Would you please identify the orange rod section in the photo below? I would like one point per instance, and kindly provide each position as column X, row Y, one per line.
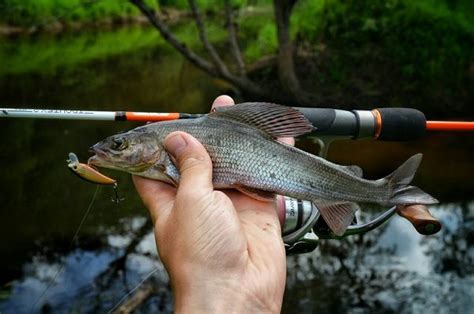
column 378, row 123
column 450, row 126
column 151, row 116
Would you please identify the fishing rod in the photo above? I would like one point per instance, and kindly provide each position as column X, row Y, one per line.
column 386, row 124
column 300, row 234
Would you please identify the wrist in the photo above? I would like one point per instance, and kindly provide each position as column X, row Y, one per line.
column 213, row 296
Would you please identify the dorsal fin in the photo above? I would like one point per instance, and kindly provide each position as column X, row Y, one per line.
column 275, row 120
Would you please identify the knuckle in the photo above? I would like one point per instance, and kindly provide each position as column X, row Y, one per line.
column 192, row 162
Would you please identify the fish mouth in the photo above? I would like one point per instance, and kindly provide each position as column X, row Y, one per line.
column 94, row 161
column 99, row 157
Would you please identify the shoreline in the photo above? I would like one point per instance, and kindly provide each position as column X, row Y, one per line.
column 169, row 15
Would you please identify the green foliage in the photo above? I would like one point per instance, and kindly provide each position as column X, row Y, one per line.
column 306, row 19
column 41, row 12
column 430, row 41
column 424, row 45
column 265, row 42
column 184, row 4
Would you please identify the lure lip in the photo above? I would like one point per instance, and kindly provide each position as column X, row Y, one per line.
column 73, row 161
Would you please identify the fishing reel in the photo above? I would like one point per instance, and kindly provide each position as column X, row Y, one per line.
column 304, row 227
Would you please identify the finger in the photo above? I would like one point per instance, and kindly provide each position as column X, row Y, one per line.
column 194, row 164
column 222, row 101
column 157, row 196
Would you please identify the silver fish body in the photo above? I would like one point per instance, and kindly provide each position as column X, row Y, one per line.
column 245, row 156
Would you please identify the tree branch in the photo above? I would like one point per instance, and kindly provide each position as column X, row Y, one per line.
column 172, row 40
column 234, row 45
column 245, row 85
column 286, row 67
column 222, row 68
column 139, row 297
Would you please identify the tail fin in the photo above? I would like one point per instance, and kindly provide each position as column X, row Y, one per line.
column 409, row 194
column 402, row 192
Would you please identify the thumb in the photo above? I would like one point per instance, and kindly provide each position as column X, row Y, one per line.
column 194, row 164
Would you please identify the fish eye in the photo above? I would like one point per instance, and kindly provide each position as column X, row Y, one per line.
column 119, row 143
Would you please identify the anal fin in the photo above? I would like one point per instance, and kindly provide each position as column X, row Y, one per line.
column 338, row 215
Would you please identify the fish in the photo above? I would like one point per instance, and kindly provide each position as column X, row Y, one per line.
column 241, row 141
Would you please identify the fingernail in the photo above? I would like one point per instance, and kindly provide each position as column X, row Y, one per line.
column 175, row 144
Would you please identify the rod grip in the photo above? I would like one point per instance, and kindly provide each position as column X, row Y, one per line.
column 399, row 124
column 420, row 218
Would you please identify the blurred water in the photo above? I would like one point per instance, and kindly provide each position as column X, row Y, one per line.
column 391, row 270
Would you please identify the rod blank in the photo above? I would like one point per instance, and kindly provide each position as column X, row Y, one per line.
column 449, row 126
column 57, row 114
column 320, row 117
column 62, row 114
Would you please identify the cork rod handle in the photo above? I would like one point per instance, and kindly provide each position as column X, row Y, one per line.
column 420, row 218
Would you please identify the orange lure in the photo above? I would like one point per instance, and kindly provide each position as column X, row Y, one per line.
column 88, row 173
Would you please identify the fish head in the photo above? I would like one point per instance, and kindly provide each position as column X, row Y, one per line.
column 129, row 152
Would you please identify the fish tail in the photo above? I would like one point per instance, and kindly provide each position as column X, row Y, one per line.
column 399, row 180
column 339, row 214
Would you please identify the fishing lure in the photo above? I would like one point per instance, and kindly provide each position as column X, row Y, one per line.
column 90, row 174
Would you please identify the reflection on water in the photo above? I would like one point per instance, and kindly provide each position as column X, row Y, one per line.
column 76, row 281
column 391, row 269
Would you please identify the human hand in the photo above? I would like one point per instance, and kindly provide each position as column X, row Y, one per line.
column 222, row 250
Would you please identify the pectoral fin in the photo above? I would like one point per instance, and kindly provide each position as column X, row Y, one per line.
column 255, row 193
column 337, row 214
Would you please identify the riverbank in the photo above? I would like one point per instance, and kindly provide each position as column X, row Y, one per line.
column 352, row 54
column 169, row 15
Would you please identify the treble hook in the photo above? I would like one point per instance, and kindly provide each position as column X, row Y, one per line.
column 116, row 198
column 90, row 174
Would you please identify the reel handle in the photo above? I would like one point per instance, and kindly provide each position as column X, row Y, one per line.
column 420, row 218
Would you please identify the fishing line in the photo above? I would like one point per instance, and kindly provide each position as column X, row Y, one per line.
column 133, row 290
column 61, row 268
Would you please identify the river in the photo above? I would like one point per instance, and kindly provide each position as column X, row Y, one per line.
column 392, row 269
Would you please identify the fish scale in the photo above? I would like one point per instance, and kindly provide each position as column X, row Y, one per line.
column 245, row 155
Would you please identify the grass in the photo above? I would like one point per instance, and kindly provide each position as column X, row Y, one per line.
column 42, row 12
